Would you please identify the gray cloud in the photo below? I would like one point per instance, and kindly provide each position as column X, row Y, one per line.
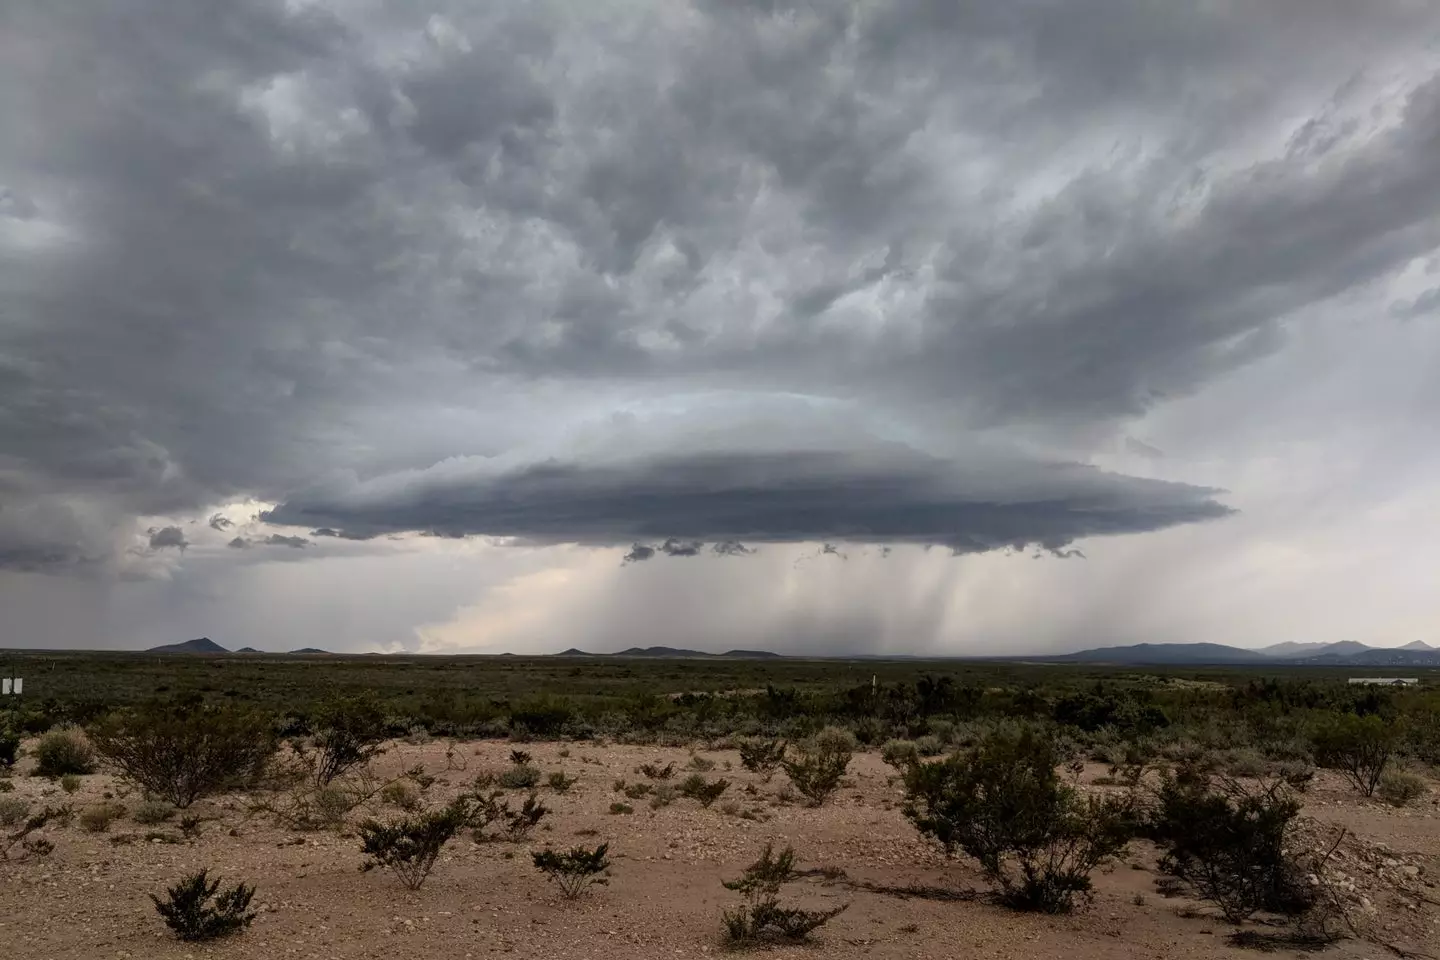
column 280, row 540
column 168, row 537
column 448, row 266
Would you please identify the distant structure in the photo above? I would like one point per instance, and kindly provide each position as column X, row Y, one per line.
column 1387, row 681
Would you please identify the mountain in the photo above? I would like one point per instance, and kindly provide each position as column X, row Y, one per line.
column 1377, row 657
column 1165, row 653
column 1292, row 649
column 310, row 650
column 752, row 655
column 574, row 652
column 248, row 650
column 201, row 645
column 1345, row 648
column 659, row 652
column 663, row 652
column 1420, row 645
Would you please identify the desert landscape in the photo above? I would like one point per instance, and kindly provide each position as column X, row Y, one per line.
column 680, row 816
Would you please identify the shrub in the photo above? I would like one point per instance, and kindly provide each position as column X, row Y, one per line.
column 519, row 777
column 520, row 758
column 70, row 783
column 410, row 847
column 697, row 788
column 1400, row 787
column 519, row 823
column 656, row 772
column 637, row 790
column 762, row 756
column 196, row 910
column 62, row 752
column 152, row 812
column 97, row 818
column 1002, row 803
column 761, row 917
column 349, row 732
column 620, row 808
column 183, row 751
column 930, row 746
column 575, row 870
column 21, row 835
column 561, row 783
column 9, row 748
column 12, row 810
column 820, row 763
column 900, row 754
column 1228, row 842
column 1359, row 747
column 402, row 794
column 663, row 796
column 1244, row 762
column 702, row 764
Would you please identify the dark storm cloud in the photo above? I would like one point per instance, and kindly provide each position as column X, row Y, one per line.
column 795, row 496
column 221, row 523
column 280, row 540
column 168, row 537
column 253, row 245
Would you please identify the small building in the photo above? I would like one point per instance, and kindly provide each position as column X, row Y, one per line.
column 1387, row 681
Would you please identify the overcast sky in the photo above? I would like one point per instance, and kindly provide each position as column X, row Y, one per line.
column 880, row 325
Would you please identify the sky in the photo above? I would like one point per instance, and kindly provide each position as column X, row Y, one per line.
column 908, row 326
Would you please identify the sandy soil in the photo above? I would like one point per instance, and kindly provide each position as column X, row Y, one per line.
column 88, row 898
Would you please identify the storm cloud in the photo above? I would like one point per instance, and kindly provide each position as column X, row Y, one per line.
column 695, row 279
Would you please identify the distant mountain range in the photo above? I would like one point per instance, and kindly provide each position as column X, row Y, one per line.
column 1346, row 653
column 206, row 645
column 676, row 652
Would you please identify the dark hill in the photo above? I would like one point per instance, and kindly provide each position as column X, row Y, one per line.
column 1163, row 653
column 310, row 650
column 201, row 645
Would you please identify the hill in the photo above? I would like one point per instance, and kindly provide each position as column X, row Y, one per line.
column 1420, row 645
column 752, row 655
column 1292, row 649
column 1165, row 653
column 200, row 645
column 310, row 650
column 659, row 652
column 249, row 650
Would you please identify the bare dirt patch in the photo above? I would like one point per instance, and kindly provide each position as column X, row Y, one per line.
column 88, row 899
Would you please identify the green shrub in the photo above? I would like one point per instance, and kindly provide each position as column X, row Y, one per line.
column 760, row 755
column 656, row 772
column 62, row 752
column 701, row 764
column 1401, row 787
column 621, row 808
column 696, row 787
column 410, row 847
column 1244, row 762
column 1002, row 803
column 519, row 823
column 820, row 762
column 196, row 910
column 70, row 783
column 349, row 733
column 637, row 790
column 575, row 870
column 930, row 746
column 1359, row 747
column 663, row 796
column 761, row 917
column 98, row 817
column 9, row 747
column 13, row 810
column 182, row 751
column 900, row 754
column 561, row 783
column 520, row 777
column 1229, row 843
column 402, row 794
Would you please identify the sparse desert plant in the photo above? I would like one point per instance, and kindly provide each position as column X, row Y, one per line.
column 6, row 786
column 1002, row 803
column 70, row 783
column 152, row 812
column 635, row 791
column 9, row 747
column 1229, row 841
column 402, row 794
column 701, row 764
column 190, row 826
column 575, row 870
column 559, row 782
column 349, row 733
column 196, row 910
column 761, row 917
column 820, row 762
column 183, row 751
column 519, row 823
column 1401, row 787
column 930, row 746
column 1244, row 762
column 62, row 752
column 621, row 808
column 761, row 755
column 1359, row 747
column 521, row 776
column 730, row 808
column 900, row 754
column 696, row 787
column 520, row 758
column 98, row 817
column 410, row 847
column 13, row 810
column 656, row 772
column 30, row 846
column 663, row 796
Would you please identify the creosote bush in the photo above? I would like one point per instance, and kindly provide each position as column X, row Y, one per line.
column 575, row 870
column 559, row 782
column 521, row 776
column 349, row 732
column 1229, row 842
column 900, row 754
column 410, row 847
column 1400, row 788
column 1003, row 804
column 98, row 817
column 70, row 783
column 1359, row 747
column 696, row 787
column 9, row 747
column 656, row 772
column 13, row 810
column 819, row 763
column 196, row 910
column 761, row 755
column 761, row 917
column 183, row 750
column 62, row 752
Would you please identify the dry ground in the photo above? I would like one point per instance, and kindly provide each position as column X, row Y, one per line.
column 88, row 898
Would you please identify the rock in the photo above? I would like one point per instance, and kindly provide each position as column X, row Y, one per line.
column 1410, row 870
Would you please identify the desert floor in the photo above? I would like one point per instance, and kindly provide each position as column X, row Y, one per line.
column 88, row 899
